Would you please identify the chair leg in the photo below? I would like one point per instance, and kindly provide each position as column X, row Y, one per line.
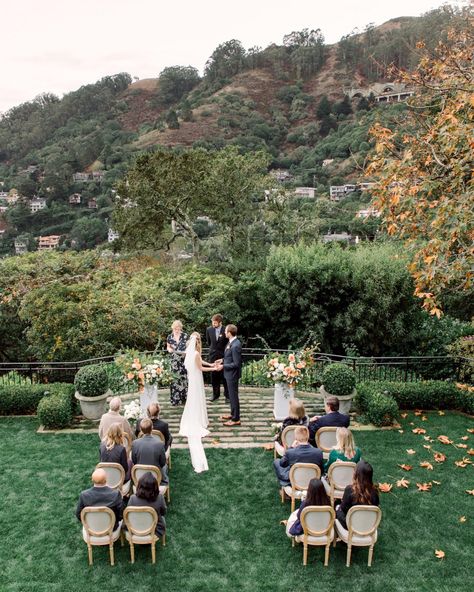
column 168, row 493
column 282, row 495
column 371, row 551
column 348, row 560
column 153, row 556
column 122, row 538
column 163, row 540
column 305, row 554
column 292, row 541
column 132, row 552
column 89, row 553
column 169, row 461
column 292, row 503
column 111, row 551
column 326, row 555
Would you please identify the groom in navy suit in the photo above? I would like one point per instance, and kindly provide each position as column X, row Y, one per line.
column 232, row 365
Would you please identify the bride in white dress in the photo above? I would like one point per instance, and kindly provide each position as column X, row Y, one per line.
column 194, row 420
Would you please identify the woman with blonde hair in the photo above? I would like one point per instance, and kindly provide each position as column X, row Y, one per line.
column 296, row 416
column 112, row 449
column 176, row 346
column 194, row 420
column 344, row 450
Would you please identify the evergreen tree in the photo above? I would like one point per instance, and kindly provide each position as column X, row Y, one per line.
column 324, row 108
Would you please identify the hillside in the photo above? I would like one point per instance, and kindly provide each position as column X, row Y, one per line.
column 70, row 152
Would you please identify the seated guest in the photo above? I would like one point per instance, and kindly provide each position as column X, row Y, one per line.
column 316, row 496
column 112, row 449
column 153, row 412
column 332, row 419
column 296, row 416
column 101, row 495
column 345, row 448
column 300, row 452
column 113, row 416
column 148, row 494
column 148, row 450
column 361, row 492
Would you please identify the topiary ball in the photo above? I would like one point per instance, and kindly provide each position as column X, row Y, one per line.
column 92, row 381
column 339, row 380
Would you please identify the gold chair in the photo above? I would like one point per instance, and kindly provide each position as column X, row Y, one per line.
column 98, row 529
column 300, row 476
column 141, row 523
column 362, row 523
column 340, row 475
column 160, row 435
column 139, row 470
column 287, row 439
column 115, row 477
column 326, row 440
column 318, row 527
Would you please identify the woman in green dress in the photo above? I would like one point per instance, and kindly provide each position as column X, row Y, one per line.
column 345, row 449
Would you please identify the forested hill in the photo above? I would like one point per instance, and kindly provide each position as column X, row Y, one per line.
column 291, row 99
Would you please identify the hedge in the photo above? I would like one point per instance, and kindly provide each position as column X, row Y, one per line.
column 55, row 411
column 429, row 394
column 24, row 399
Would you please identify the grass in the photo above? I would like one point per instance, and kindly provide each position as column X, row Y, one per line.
column 223, row 526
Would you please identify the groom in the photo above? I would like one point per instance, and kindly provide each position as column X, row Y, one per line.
column 232, row 365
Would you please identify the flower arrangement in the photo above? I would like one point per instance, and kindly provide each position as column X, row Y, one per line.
column 132, row 411
column 290, row 368
column 275, row 428
column 144, row 370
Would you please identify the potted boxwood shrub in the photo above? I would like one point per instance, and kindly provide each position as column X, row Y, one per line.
column 339, row 380
column 92, row 384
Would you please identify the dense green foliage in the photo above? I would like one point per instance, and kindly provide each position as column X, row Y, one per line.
column 23, row 399
column 55, row 411
column 91, row 381
column 339, row 379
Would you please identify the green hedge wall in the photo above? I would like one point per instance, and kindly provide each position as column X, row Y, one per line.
column 24, row 399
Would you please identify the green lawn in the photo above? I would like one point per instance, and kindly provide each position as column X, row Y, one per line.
column 224, row 531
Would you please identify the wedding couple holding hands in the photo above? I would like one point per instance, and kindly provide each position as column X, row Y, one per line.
column 225, row 355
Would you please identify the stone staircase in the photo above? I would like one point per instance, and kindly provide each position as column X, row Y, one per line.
column 256, row 407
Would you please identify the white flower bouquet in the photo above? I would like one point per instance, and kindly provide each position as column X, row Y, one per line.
column 132, row 411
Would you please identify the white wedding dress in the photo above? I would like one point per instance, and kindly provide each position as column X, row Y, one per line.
column 194, row 420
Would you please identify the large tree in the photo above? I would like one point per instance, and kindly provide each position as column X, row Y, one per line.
column 425, row 173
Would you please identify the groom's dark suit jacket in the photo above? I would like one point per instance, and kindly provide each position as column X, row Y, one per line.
column 216, row 346
column 233, row 361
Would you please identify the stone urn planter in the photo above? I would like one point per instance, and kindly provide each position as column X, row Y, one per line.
column 281, row 400
column 339, row 381
column 92, row 384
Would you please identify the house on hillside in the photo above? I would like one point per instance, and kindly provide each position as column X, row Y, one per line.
column 367, row 213
column 37, row 204
column 78, row 177
column 12, row 197
column 3, row 207
column 366, row 186
column 48, row 243
column 384, row 92
column 75, row 198
column 337, row 192
column 112, row 235
column 92, row 203
column 337, row 237
column 281, row 175
column 304, row 192
column 3, row 194
column 327, row 162
column 98, row 175
column 20, row 246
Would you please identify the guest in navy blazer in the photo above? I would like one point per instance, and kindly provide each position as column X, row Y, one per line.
column 332, row 419
column 300, row 452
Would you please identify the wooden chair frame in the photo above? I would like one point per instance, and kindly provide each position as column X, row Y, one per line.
column 121, row 485
column 325, row 450
column 317, row 533
column 295, row 487
column 369, row 533
column 336, row 492
column 108, row 532
column 290, row 428
column 132, row 532
column 156, row 471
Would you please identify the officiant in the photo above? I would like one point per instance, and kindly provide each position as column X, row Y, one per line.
column 217, row 341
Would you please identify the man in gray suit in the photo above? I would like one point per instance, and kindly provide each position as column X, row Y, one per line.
column 149, row 450
column 300, row 452
column 101, row 495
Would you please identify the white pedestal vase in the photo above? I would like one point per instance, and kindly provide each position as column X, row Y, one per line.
column 147, row 396
column 281, row 400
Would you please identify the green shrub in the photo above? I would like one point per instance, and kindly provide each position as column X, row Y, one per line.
column 255, row 373
column 92, row 381
column 117, row 381
column 24, row 399
column 382, row 409
column 339, row 379
column 55, row 411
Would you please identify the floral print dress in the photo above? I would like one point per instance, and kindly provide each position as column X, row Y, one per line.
column 178, row 388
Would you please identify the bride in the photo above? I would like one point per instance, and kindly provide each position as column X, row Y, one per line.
column 194, row 420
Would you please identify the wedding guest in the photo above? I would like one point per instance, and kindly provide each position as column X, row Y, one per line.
column 148, row 494
column 176, row 343
column 316, row 496
column 345, row 448
column 300, row 451
column 153, row 412
column 332, row 419
column 149, row 450
column 100, row 494
column 361, row 492
column 296, row 416
column 217, row 341
column 113, row 416
column 112, row 449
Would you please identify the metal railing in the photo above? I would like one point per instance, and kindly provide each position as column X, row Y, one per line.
column 254, row 371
